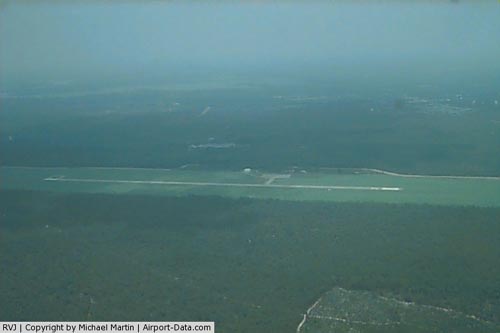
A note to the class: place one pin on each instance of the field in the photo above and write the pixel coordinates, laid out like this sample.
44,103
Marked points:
297,185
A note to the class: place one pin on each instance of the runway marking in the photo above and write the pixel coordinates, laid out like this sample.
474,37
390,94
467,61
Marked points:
369,170
161,182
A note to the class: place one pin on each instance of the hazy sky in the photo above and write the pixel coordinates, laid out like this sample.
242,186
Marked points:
65,39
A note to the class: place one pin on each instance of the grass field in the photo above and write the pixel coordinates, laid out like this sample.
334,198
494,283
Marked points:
300,186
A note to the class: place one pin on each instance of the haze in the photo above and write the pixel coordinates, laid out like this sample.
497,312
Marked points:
57,41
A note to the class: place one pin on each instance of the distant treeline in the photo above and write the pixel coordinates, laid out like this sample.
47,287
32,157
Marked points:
150,129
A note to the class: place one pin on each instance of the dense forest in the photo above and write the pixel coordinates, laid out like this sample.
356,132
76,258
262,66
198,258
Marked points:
264,126
269,166
249,265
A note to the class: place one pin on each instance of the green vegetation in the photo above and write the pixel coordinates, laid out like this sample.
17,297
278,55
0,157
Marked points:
250,259
273,167
340,310
272,127
249,265
442,191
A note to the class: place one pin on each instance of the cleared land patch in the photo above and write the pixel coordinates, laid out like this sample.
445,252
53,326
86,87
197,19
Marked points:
313,185
341,310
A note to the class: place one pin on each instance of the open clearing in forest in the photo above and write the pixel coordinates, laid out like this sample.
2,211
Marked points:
316,185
